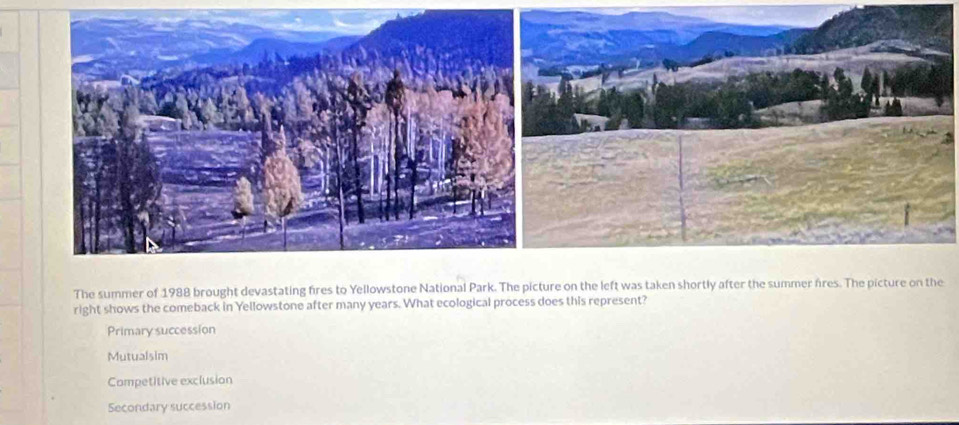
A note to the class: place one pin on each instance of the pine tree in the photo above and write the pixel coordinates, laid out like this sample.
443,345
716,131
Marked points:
866,84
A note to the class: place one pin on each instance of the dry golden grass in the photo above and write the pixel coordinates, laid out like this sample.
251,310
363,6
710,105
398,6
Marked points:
621,188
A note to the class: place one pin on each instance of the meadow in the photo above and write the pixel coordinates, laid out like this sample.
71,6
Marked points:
843,182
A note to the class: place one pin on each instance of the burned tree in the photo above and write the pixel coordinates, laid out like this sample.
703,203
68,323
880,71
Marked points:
395,100
359,100
138,180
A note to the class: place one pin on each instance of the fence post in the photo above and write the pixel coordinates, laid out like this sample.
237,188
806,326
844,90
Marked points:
682,206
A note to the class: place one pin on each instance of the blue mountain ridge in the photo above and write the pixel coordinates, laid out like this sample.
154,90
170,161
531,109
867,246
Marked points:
270,48
579,38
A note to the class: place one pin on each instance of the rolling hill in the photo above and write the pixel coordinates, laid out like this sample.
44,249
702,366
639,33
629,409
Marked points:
716,44
877,56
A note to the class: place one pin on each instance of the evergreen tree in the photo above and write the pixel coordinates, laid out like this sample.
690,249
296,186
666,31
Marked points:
866,84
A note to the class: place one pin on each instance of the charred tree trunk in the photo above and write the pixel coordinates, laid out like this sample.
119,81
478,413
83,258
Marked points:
95,244
482,202
83,234
143,235
339,187
90,218
472,195
373,164
325,172
397,151
379,187
129,239
388,175
430,163
413,177
357,180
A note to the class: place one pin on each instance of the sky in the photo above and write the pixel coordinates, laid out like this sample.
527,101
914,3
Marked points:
793,15
355,21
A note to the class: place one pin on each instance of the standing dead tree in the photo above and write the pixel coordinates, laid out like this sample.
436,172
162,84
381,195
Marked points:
138,180
395,99
359,100
334,113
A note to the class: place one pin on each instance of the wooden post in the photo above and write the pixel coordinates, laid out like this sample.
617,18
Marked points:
907,209
682,206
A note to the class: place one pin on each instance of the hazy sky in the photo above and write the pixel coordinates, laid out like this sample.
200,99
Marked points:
342,21
795,16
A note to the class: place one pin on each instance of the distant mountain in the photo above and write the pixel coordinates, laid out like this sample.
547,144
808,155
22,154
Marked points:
924,25
111,48
583,38
479,35
103,47
716,44
682,29
271,48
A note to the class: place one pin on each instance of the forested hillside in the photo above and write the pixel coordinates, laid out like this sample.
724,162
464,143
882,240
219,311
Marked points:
924,25
455,35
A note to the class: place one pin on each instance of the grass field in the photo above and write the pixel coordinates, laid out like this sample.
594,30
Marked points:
839,182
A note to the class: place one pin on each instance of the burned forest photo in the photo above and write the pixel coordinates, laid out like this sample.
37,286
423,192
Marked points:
292,130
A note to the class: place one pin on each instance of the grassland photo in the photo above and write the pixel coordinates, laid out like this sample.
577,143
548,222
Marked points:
274,130
812,124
